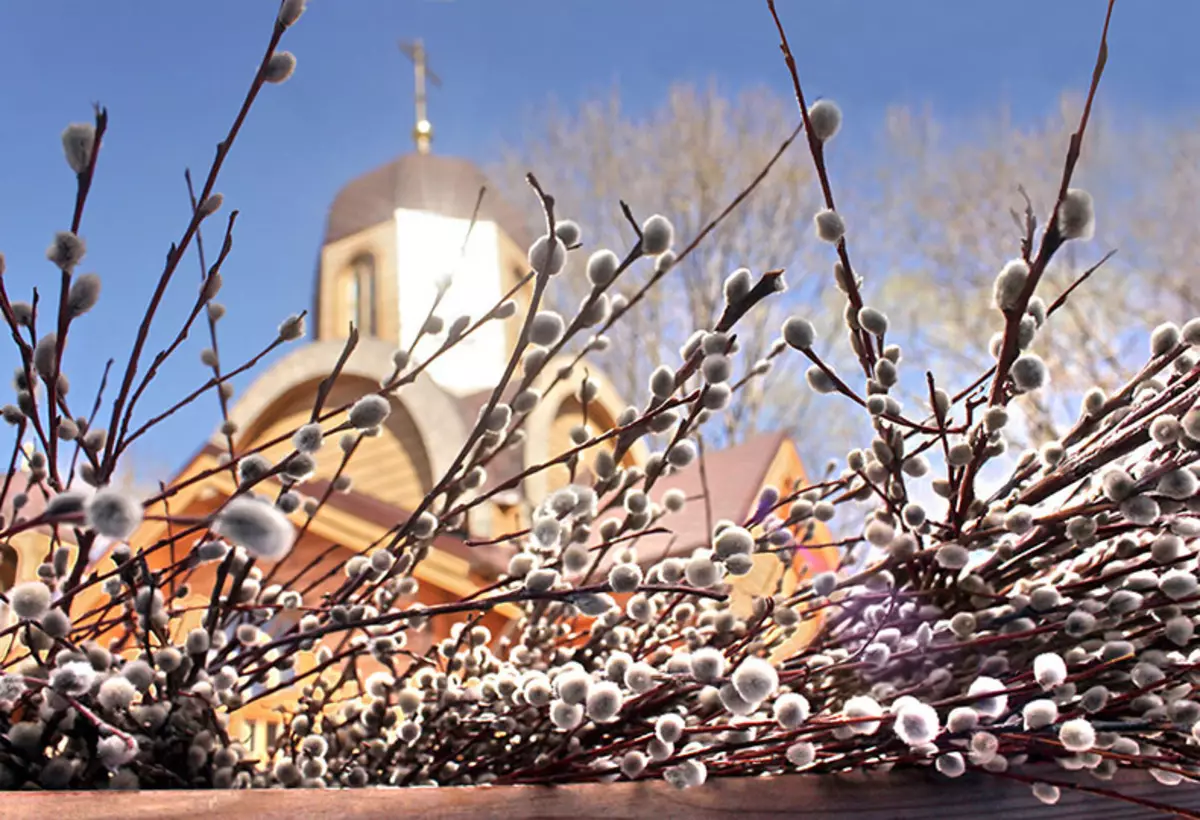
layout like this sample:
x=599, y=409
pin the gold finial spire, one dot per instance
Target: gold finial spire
x=422, y=129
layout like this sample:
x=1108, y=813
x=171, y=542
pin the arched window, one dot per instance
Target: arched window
x=360, y=294
x=8, y=567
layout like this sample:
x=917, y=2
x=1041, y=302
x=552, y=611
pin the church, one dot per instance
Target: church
x=389, y=234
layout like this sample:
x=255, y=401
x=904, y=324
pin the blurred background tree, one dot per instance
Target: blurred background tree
x=930, y=217
x=687, y=159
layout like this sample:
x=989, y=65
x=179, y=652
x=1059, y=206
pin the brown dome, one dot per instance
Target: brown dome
x=421, y=182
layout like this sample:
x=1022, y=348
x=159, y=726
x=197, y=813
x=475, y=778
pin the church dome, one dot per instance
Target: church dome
x=443, y=185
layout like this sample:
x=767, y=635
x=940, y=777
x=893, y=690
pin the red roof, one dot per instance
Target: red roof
x=735, y=477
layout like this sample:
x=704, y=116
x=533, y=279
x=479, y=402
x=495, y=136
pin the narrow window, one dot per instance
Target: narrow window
x=360, y=294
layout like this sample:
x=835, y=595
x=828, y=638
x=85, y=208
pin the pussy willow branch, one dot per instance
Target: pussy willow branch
x=1051, y=241
x=83, y=186
x=541, y=280
x=816, y=148
x=202, y=299
x=177, y=250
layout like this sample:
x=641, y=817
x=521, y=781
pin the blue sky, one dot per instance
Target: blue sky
x=172, y=75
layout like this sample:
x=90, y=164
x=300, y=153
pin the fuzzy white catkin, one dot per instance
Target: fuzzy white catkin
x=565, y=716
x=603, y=702
x=44, y=355
x=568, y=231
x=1190, y=424
x=669, y=728
x=56, y=624
x=873, y=320
x=662, y=382
x=369, y=411
x=116, y=693
x=952, y=556
x=640, y=677
x=1047, y=793
x=308, y=438
x=1009, y=284
x=1164, y=338
x=115, y=751
x=916, y=723
x=791, y=710
x=950, y=764
x=734, y=703
x=259, y=527
x=625, y=578
x=799, y=333
x=29, y=600
x=1029, y=372
x=673, y=500
x=992, y=705
x=687, y=775
x=280, y=67
x=1049, y=670
x=541, y=580
x=701, y=572
x=862, y=706
x=1177, y=583
x=73, y=678
x=825, y=118
x=707, y=664
x=498, y=418
x=113, y=513
x=546, y=328
x=657, y=234
x=602, y=267
x=962, y=719
x=547, y=257
x=1039, y=713
x=1077, y=735
x=1117, y=484
x=1179, y=484
x=78, y=141
x=716, y=368
x=505, y=310
x=633, y=763
x=83, y=295
x=211, y=204
x=66, y=250
x=733, y=541
x=1077, y=215
x=1190, y=332
x=573, y=685
x=824, y=583
x=755, y=679
x=290, y=11
x=801, y=755
x=291, y=328
x=737, y=286
x=829, y=225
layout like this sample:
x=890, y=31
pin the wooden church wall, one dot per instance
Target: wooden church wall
x=392, y=467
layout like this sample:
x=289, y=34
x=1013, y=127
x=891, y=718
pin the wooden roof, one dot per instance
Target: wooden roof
x=421, y=182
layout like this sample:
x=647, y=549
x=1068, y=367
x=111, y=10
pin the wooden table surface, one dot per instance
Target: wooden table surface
x=873, y=798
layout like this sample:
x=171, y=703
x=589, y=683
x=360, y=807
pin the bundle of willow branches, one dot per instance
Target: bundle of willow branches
x=1042, y=622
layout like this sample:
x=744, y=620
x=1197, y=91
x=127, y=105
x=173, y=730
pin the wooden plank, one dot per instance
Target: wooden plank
x=895, y=797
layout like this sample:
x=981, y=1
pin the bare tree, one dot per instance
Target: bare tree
x=686, y=160
x=951, y=212
x=934, y=212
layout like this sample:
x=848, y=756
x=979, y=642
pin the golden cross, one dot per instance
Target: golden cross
x=422, y=129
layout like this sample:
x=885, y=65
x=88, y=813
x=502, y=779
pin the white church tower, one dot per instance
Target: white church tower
x=395, y=232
